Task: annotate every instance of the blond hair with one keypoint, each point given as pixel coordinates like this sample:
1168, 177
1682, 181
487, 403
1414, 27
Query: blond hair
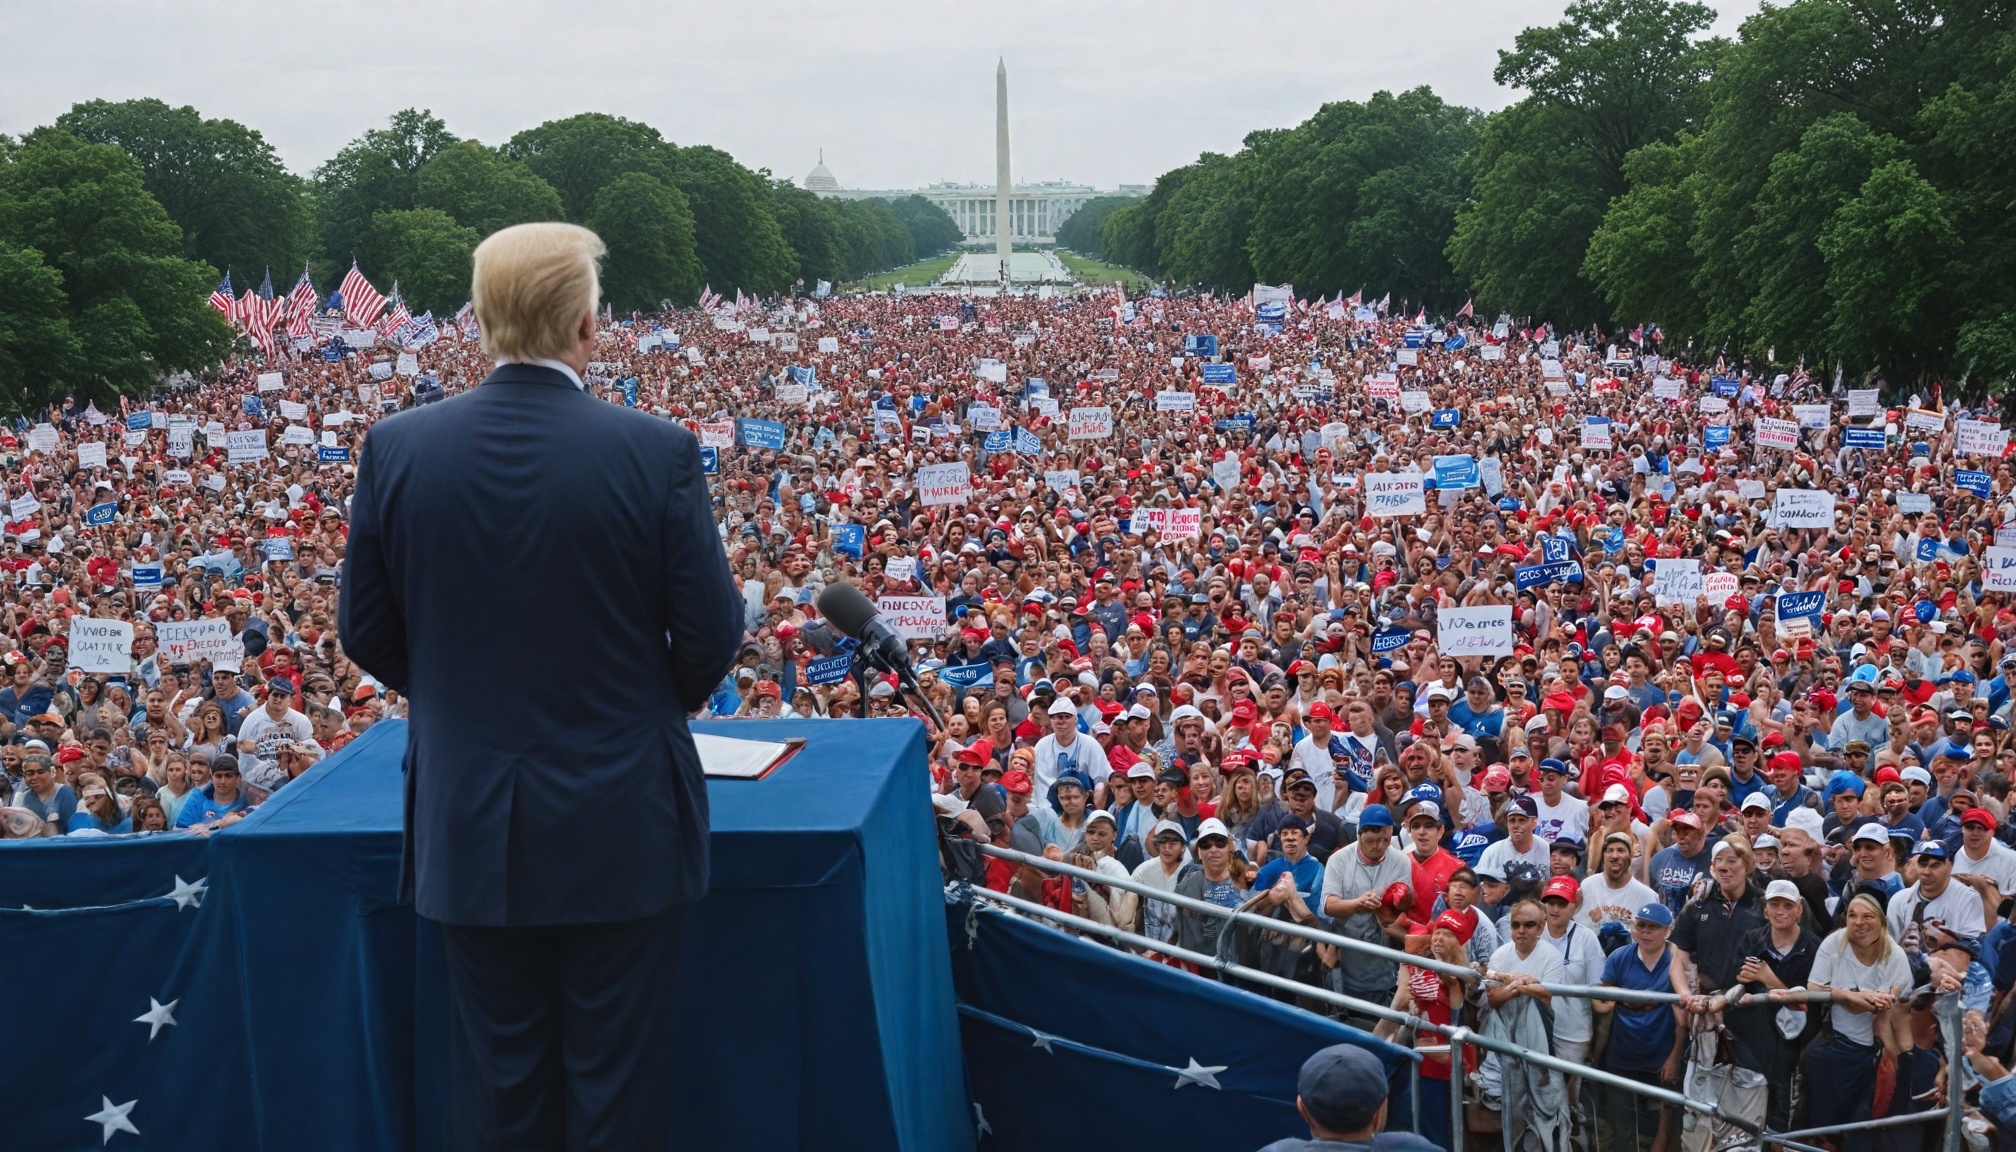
531, 285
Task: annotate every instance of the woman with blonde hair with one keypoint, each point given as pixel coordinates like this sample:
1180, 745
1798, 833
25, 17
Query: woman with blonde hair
1865, 973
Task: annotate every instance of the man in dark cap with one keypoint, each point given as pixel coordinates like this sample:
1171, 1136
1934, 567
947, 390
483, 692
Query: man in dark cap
1341, 1094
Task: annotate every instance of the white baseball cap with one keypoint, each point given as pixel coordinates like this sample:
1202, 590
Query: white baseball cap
1062, 706
1783, 890
1212, 827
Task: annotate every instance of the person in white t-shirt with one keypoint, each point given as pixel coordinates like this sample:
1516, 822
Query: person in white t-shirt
1519, 844
265, 729
1557, 813
1983, 862
1934, 901
1612, 895
1067, 749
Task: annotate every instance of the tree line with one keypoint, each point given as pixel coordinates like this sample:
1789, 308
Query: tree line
118, 220
1833, 186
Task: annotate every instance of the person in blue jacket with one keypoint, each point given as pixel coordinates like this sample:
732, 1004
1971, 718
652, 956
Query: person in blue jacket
224, 795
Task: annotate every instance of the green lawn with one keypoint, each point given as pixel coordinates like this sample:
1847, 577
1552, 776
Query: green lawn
912, 275
1098, 271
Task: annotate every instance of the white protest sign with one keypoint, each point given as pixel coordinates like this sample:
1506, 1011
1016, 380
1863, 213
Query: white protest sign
1409, 357
1491, 352
1382, 388
1998, 570
187, 641
1170, 523
1718, 587
901, 569
271, 381
245, 447
1225, 473
1173, 401
293, 410
409, 364
23, 506
1415, 401
1914, 503
102, 645
1395, 494
1550, 369
983, 417
944, 483
1802, 508
1090, 424
1676, 581
91, 454
1596, 435
1484, 631
182, 442
1980, 438
829, 344
1813, 415
1044, 406
1925, 420
1492, 472
1777, 433
1714, 405
298, 434
2005, 536
1667, 388
136, 437
717, 434
1750, 490
991, 370
792, 395
1864, 401
1061, 479
42, 438
913, 617
176, 476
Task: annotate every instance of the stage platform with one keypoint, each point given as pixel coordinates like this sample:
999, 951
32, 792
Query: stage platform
262, 988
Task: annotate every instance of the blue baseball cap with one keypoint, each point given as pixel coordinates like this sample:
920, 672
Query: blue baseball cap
1963, 676
1930, 848
1655, 913
1844, 781
1552, 765
1342, 1087
1375, 816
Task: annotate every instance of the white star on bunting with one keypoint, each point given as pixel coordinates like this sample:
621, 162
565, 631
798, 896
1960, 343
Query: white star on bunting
1205, 1075
188, 892
159, 1015
1042, 1040
980, 1123
113, 1118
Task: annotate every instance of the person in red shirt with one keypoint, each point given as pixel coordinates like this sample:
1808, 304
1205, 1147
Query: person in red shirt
1432, 864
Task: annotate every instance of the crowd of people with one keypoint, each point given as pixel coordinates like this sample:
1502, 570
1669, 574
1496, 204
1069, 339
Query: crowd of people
1565, 659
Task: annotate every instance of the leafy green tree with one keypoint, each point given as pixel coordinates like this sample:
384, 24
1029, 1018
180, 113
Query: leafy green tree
1888, 251
1084, 231
84, 210
1641, 258
737, 236
875, 239
377, 172
426, 252
648, 229
811, 225
932, 229
1535, 200
1128, 237
1200, 236
484, 190
581, 155
238, 206
38, 349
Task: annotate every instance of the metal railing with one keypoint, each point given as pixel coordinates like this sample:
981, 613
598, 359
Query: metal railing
1752, 1136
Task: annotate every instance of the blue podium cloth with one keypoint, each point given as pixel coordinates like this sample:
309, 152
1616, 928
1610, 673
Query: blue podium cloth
1071, 1044
308, 1006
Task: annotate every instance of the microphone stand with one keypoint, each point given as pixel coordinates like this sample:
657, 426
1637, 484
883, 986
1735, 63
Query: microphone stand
904, 677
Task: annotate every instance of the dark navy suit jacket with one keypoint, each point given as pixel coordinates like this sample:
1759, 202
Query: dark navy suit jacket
539, 571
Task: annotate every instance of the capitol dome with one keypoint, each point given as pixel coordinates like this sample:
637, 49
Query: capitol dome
820, 179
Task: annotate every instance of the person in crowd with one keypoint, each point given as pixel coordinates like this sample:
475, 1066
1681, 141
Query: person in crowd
1865, 973
1214, 877
1647, 1042
1358, 882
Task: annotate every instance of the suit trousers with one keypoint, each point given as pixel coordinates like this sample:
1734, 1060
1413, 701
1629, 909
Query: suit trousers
562, 1035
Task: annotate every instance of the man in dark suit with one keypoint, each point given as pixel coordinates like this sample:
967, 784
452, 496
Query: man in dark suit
556, 824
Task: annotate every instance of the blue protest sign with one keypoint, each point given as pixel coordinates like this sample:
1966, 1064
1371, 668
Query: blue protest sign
1928, 550
1200, 344
968, 675
806, 376
630, 392
333, 351
1871, 438
1793, 605
1220, 374
324, 454
278, 548
252, 406
1726, 388
1974, 482
1456, 472
1413, 338
146, 575
1390, 640
1241, 425
139, 421
1000, 441
849, 539
710, 460
1614, 541
1035, 387
760, 434
1456, 343
1925, 611
1028, 443
1715, 436
1554, 549
1446, 418
917, 405
1534, 575
828, 669
99, 515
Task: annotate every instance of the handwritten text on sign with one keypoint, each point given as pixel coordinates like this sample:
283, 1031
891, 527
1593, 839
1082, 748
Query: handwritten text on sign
102, 645
1802, 508
944, 484
1170, 523
1394, 494
1998, 570
187, 641
1091, 423
914, 617
1484, 631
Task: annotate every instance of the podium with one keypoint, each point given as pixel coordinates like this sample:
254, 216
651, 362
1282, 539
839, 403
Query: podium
309, 1008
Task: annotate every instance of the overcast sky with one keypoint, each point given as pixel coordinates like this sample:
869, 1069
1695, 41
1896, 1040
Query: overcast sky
899, 93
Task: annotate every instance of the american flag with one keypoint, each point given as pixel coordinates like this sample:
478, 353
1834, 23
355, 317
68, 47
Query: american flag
396, 319
1469, 308
246, 309
272, 308
466, 321
361, 302
708, 300
221, 299
303, 299
420, 333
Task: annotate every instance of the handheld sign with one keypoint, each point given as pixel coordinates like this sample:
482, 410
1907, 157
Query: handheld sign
1390, 640
1446, 418
146, 575
99, 515
1676, 581
1220, 374
101, 645
1972, 482
1395, 494
1481, 631
327, 454
829, 669
1802, 508
764, 434
849, 539
710, 461
1867, 438
1090, 424
1998, 570
944, 484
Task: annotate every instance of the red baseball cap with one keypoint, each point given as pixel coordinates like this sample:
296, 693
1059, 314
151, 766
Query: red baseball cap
1017, 781
979, 752
1320, 711
1978, 816
1685, 818
1563, 886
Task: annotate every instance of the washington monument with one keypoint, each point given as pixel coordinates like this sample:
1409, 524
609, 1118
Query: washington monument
1002, 246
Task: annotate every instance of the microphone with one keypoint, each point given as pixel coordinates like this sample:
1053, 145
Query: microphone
846, 609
